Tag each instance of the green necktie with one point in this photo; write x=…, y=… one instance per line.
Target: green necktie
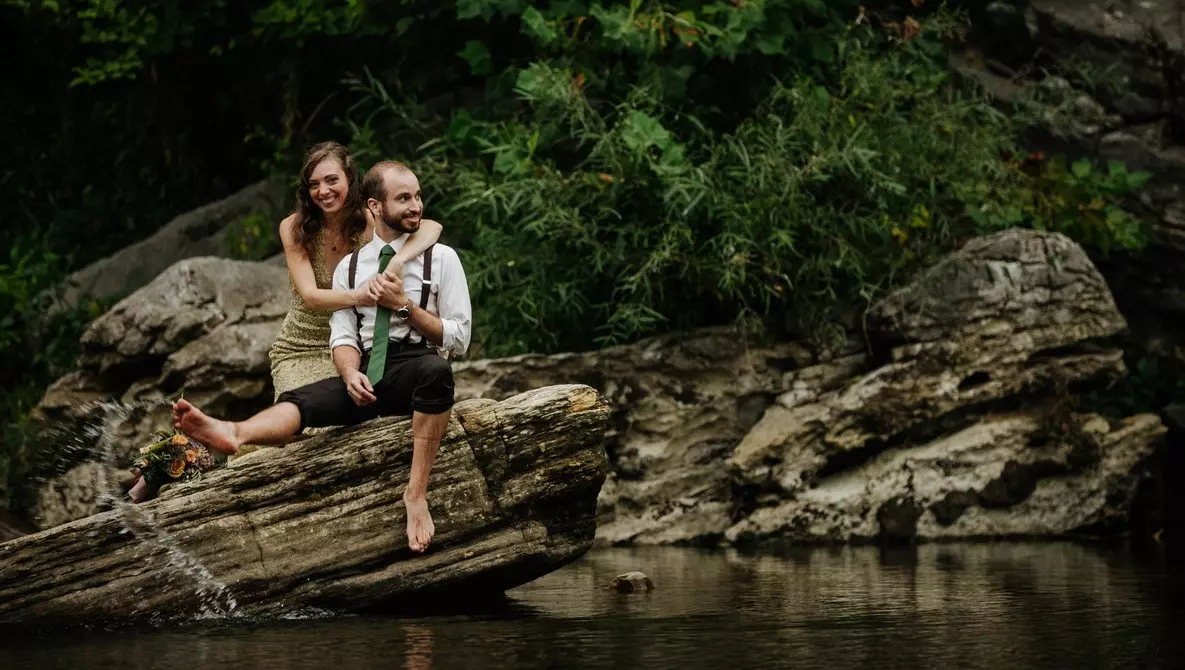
x=382, y=328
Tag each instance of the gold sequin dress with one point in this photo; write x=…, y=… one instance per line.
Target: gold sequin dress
x=300, y=355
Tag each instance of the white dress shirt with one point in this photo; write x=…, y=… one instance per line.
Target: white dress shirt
x=449, y=298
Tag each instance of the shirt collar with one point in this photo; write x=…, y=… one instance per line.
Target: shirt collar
x=377, y=243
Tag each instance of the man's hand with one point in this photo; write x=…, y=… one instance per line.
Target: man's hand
x=359, y=388
x=387, y=292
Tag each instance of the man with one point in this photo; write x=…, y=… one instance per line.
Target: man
x=418, y=333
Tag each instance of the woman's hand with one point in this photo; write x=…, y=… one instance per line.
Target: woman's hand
x=363, y=296
x=387, y=292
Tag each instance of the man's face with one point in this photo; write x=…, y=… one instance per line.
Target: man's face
x=404, y=205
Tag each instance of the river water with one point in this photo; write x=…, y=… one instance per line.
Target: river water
x=1013, y=605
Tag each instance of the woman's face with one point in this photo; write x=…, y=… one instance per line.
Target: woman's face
x=328, y=186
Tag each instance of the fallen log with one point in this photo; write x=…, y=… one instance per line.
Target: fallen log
x=320, y=524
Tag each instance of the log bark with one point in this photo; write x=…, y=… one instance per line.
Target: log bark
x=321, y=524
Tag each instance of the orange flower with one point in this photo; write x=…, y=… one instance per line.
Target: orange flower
x=177, y=468
x=191, y=455
x=180, y=440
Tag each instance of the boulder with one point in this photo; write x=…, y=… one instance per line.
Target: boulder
x=320, y=523
x=680, y=404
x=196, y=233
x=1133, y=56
x=202, y=328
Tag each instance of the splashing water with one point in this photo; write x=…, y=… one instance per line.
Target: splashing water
x=99, y=436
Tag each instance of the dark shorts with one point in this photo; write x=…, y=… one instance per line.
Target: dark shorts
x=416, y=379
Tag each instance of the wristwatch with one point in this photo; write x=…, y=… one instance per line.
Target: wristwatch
x=403, y=313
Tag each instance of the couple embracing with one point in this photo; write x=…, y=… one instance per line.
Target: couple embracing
x=378, y=307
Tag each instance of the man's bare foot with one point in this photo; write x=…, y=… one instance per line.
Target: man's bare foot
x=139, y=491
x=420, y=528
x=217, y=435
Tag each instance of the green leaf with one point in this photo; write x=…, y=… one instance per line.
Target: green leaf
x=641, y=131
x=1082, y=168
x=1138, y=179
x=822, y=98
x=566, y=8
x=771, y=45
x=821, y=49
x=468, y=9
x=537, y=27
x=460, y=126
x=478, y=57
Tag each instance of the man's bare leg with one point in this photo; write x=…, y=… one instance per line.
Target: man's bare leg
x=428, y=430
x=274, y=425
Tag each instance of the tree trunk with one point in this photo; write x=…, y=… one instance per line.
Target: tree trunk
x=321, y=524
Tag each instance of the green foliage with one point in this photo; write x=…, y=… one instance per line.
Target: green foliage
x=590, y=218
x=252, y=238
x=1084, y=203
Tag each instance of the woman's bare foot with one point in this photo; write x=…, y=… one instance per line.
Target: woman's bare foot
x=218, y=435
x=139, y=491
x=420, y=528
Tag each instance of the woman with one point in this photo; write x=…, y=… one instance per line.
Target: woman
x=329, y=223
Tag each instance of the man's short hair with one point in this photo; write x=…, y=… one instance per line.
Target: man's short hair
x=374, y=185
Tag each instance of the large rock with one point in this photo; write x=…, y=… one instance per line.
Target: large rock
x=1133, y=54
x=717, y=440
x=202, y=328
x=200, y=232
x=320, y=524
x=680, y=403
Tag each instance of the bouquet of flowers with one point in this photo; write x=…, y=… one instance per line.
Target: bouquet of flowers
x=173, y=458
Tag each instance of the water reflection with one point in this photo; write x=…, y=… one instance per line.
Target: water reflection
x=937, y=606
x=419, y=647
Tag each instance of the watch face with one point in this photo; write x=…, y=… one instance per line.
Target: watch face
x=403, y=312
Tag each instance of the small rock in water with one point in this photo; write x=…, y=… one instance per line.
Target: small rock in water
x=630, y=582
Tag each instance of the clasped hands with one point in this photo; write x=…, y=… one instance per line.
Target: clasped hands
x=386, y=290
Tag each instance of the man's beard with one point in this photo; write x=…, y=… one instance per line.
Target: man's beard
x=397, y=223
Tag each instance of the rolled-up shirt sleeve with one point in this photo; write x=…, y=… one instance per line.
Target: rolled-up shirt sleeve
x=343, y=324
x=456, y=314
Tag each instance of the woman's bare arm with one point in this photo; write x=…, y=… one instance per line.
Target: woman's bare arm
x=418, y=243
x=300, y=268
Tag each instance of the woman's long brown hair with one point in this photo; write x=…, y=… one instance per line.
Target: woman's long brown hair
x=311, y=218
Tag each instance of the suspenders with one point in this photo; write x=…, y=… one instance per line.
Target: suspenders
x=425, y=291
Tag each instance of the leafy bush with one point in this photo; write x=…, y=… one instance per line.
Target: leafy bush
x=591, y=218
